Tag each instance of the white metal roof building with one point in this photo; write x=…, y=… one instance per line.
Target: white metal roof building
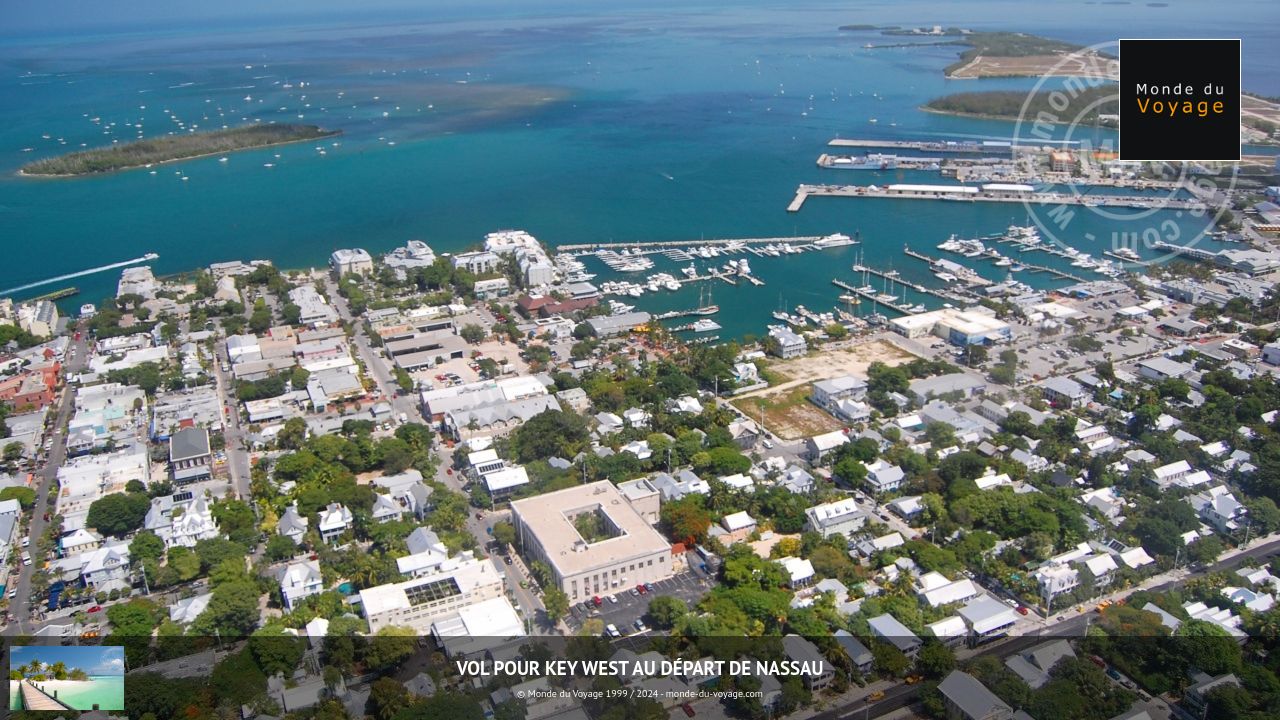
x=419, y=602
x=988, y=617
x=842, y=517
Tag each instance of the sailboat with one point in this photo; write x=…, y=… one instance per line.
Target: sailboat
x=703, y=307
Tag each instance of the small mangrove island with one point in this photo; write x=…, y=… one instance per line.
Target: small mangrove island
x=1007, y=105
x=170, y=148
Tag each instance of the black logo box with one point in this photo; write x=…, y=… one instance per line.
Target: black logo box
x=1180, y=63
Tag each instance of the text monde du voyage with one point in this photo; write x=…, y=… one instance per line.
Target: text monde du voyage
x=632, y=668
x=1180, y=99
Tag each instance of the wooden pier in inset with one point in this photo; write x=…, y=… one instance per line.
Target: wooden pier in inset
x=33, y=698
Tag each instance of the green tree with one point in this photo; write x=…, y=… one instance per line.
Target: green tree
x=118, y=514
x=25, y=496
x=146, y=545
x=556, y=603
x=280, y=547
x=232, y=611
x=936, y=660
x=549, y=434
x=388, y=698
x=504, y=532
x=665, y=611
x=276, y=651
x=472, y=333
x=293, y=434
x=389, y=647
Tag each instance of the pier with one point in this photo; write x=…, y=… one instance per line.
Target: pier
x=671, y=314
x=657, y=246
x=932, y=146
x=873, y=297
x=58, y=294
x=890, y=162
x=968, y=193
x=978, y=280
x=33, y=698
x=948, y=295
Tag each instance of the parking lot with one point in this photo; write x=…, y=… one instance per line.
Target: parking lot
x=631, y=605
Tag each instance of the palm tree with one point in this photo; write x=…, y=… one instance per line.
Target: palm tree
x=59, y=670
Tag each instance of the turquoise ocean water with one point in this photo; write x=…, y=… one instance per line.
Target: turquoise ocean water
x=584, y=123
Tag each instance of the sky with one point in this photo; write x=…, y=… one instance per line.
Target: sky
x=53, y=17
x=91, y=659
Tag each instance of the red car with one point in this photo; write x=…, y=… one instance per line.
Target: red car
x=641, y=589
x=1022, y=609
x=597, y=601
x=688, y=710
x=95, y=608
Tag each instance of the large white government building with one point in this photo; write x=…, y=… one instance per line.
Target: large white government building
x=631, y=552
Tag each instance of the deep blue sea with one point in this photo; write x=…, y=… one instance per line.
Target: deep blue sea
x=580, y=122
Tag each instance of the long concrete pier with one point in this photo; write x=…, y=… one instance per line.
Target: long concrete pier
x=1040, y=198
x=964, y=147
x=659, y=245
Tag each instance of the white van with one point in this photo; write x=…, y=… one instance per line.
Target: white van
x=612, y=630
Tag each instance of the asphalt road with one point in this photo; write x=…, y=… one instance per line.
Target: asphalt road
x=20, y=605
x=233, y=433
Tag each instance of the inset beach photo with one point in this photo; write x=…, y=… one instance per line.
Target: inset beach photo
x=66, y=678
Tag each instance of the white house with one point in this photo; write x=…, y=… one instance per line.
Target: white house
x=299, y=580
x=107, y=565
x=842, y=517
x=334, y=520
x=292, y=525
x=827, y=393
x=182, y=519
x=819, y=446
x=386, y=509
x=883, y=477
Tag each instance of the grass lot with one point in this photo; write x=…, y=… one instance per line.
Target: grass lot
x=789, y=414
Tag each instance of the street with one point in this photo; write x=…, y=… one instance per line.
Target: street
x=45, y=475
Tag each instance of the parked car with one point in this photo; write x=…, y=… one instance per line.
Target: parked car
x=613, y=599
x=95, y=608
x=642, y=589
x=598, y=602
x=612, y=630
x=688, y=710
